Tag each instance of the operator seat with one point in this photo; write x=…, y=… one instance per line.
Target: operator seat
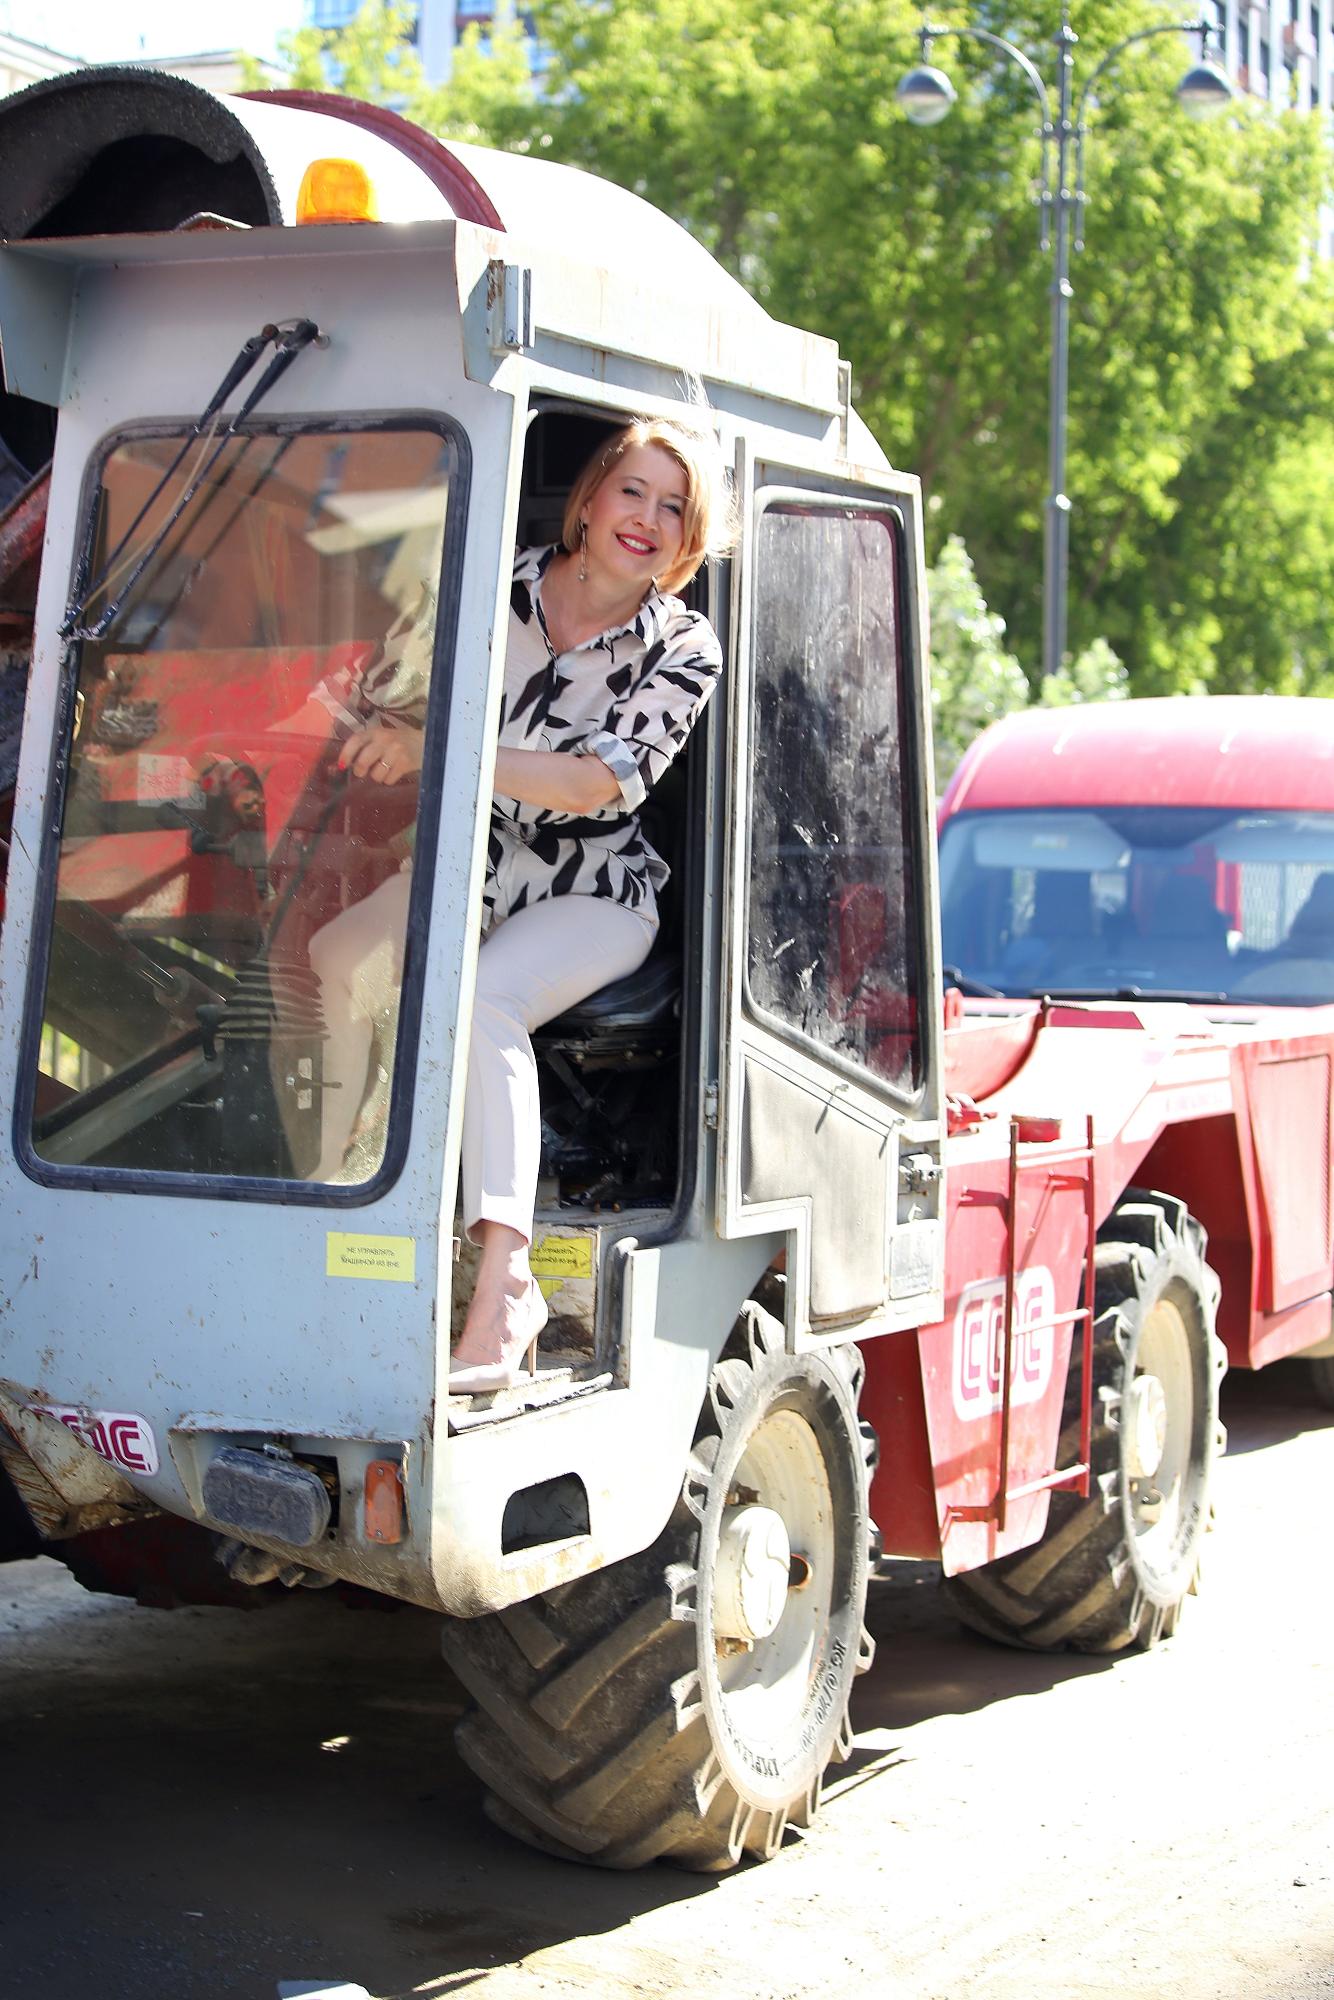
x=1186, y=932
x=1300, y=970
x=1311, y=932
x=1061, y=932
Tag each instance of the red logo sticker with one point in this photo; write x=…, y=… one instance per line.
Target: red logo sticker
x=118, y=1436
x=979, y=1334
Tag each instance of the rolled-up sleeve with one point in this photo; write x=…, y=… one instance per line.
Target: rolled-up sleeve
x=619, y=760
x=654, y=712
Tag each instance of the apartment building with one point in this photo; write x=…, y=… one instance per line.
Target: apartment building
x=1280, y=50
x=439, y=26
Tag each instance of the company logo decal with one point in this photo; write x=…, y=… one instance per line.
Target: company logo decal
x=979, y=1335
x=115, y=1435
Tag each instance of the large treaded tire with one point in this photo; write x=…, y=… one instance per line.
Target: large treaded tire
x=610, y=1726
x=1114, y=1570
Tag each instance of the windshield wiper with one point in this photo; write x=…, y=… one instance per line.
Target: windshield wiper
x=1122, y=993
x=975, y=989
x=288, y=340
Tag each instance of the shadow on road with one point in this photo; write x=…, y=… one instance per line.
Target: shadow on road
x=218, y=1801
x=1269, y=1407
x=927, y=1664
x=231, y=1800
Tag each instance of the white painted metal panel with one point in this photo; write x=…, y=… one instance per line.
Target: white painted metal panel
x=819, y=1089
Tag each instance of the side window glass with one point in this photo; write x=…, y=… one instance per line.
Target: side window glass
x=225, y=953
x=832, y=950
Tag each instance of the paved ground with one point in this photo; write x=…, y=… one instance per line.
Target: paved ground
x=200, y=1804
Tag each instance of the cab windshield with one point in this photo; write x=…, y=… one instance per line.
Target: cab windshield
x=207, y=833
x=1173, y=901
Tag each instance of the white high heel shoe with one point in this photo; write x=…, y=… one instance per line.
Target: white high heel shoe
x=484, y=1378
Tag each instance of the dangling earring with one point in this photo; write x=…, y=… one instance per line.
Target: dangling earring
x=583, y=552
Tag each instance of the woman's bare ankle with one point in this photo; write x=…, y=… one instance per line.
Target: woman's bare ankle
x=502, y=1309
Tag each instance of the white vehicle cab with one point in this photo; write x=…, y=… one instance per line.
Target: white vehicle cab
x=281, y=437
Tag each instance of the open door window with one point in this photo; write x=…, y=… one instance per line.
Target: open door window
x=831, y=1029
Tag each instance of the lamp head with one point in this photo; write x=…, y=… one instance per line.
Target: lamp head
x=925, y=94
x=1204, y=90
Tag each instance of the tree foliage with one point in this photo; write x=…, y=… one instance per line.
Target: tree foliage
x=776, y=138
x=1201, y=363
x=975, y=679
x=371, y=58
x=488, y=98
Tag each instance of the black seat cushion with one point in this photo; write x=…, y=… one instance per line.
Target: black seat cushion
x=640, y=1000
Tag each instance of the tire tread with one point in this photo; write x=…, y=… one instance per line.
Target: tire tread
x=1078, y=1586
x=590, y=1731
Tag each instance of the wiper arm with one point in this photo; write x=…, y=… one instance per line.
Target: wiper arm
x=201, y=561
x=239, y=369
x=1121, y=993
x=289, y=342
x=976, y=989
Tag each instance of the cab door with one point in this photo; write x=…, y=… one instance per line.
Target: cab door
x=830, y=1097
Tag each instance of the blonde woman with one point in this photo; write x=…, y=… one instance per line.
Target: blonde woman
x=606, y=672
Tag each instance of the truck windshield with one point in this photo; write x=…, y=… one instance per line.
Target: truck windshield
x=1176, y=901
x=195, y=1015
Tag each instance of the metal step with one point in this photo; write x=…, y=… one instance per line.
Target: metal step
x=559, y=1379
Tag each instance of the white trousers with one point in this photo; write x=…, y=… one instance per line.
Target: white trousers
x=531, y=967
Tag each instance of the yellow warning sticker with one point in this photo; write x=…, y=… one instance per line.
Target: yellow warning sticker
x=386, y=1257
x=562, y=1257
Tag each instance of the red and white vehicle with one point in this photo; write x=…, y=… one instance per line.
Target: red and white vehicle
x=779, y=1177
x=1172, y=862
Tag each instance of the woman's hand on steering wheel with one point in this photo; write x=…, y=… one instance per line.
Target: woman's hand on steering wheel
x=385, y=756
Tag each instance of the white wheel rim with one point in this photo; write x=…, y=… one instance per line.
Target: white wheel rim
x=1158, y=1500
x=764, y=1690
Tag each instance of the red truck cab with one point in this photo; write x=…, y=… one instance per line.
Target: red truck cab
x=1175, y=848
x=1115, y=858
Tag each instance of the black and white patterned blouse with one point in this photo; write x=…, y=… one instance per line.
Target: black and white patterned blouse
x=629, y=697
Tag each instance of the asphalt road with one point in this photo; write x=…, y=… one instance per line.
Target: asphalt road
x=203, y=1804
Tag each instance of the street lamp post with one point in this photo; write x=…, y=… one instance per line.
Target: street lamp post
x=926, y=95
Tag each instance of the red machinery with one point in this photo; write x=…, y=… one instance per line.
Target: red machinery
x=1168, y=866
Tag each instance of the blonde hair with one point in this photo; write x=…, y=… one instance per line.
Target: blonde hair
x=708, y=525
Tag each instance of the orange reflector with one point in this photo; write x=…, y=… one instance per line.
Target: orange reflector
x=336, y=191
x=384, y=1501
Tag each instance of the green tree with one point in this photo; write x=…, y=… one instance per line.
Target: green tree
x=775, y=138
x=1200, y=360
x=488, y=97
x=975, y=680
x=371, y=58
x=1245, y=564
